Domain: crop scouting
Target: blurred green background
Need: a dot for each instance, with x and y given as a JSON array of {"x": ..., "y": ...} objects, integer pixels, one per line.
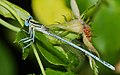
[
  {"x": 105, "y": 30},
  {"x": 7, "y": 62}
]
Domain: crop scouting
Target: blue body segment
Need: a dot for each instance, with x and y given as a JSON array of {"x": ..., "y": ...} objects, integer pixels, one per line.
[{"x": 85, "y": 51}]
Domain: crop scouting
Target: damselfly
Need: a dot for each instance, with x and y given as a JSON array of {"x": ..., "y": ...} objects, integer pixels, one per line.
[{"x": 41, "y": 28}]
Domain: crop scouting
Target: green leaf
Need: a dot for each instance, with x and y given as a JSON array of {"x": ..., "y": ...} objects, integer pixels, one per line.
[
  {"x": 19, "y": 36},
  {"x": 53, "y": 72},
  {"x": 75, "y": 57},
  {"x": 5, "y": 13},
  {"x": 19, "y": 11},
  {"x": 82, "y": 4},
  {"x": 73, "y": 60},
  {"x": 89, "y": 13},
  {"x": 85, "y": 4},
  {"x": 11, "y": 10},
  {"x": 9, "y": 26},
  {"x": 50, "y": 53}
]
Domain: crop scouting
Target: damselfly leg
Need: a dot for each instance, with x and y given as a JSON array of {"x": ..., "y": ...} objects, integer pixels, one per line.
[{"x": 29, "y": 39}]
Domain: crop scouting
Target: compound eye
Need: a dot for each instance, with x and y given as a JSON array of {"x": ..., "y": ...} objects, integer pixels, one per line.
[
  {"x": 26, "y": 23},
  {"x": 30, "y": 17}
]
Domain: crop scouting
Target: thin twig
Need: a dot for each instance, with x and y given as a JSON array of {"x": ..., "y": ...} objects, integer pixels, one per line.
[{"x": 38, "y": 59}]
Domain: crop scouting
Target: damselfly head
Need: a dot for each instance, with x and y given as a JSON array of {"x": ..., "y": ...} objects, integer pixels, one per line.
[{"x": 27, "y": 21}]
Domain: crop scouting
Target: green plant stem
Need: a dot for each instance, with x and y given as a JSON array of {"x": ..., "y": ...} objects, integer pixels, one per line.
[
  {"x": 8, "y": 7},
  {"x": 38, "y": 59},
  {"x": 9, "y": 26}
]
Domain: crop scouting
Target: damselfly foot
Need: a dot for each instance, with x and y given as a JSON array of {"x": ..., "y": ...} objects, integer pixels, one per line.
[{"x": 27, "y": 40}]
